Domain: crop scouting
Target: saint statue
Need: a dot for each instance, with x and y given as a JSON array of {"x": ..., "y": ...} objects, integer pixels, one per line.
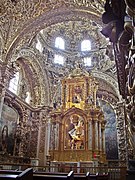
[{"x": 4, "y": 136}]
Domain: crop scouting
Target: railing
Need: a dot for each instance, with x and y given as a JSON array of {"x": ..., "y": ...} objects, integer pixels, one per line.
[{"x": 115, "y": 173}]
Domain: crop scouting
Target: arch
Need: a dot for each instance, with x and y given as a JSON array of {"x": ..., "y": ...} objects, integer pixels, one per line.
[
  {"x": 13, "y": 84},
  {"x": 110, "y": 130},
  {"x": 74, "y": 110},
  {"x": 74, "y": 120},
  {"x": 109, "y": 79},
  {"x": 50, "y": 17},
  {"x": 16, "y": 105},
  {"x": 86, "y": 45},
  {"x": 39, "y": 46},
  {"x": 60, "y": 43},
  {"x": 42, "y": 78}
]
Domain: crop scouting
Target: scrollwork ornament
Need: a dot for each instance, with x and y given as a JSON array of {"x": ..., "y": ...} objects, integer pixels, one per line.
[{"x": 131, "y": 79}]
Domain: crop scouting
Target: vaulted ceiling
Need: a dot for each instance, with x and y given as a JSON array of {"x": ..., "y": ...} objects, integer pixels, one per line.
[{"x": 24, "y": 22}]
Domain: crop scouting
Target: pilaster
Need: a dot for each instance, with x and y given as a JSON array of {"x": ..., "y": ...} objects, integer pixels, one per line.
[
  {"x": 90, "y": 136},
  {"x": 5, "y": 75}
]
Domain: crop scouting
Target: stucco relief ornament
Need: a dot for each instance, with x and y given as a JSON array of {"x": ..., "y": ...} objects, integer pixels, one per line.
[{"x": 2, "y": 9}]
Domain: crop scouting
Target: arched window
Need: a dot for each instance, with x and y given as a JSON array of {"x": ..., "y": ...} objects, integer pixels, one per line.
[
  {"x": 28, "y": 98},
  {"x": 13, "y": 84},
  {"x": 58, "y": 59},
  {"x": 86, "y": 45},
  {"x": 87, "y": 61},
  {"x": 59, "y": 43},
  {"x": 39, "y": 46}
]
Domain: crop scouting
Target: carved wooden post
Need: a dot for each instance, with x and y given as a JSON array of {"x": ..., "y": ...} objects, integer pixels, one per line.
[{"x": 121, "y": 132}]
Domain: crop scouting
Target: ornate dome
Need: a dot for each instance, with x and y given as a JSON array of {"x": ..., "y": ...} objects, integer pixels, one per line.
[{"x": 73, "y": 33}]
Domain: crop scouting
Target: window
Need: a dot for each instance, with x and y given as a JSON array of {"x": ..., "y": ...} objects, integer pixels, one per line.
[
  {"x": 58, "y": 59},
  {"x": 39, "y": 46},
  {"x": 42, "y": 31},
  {"x": 87, "y": 61},
  {"x": 28, "y": 98},
  {"x": 59, "y": 43},
  {"x": 13, "y": 85},
  {"x": 85, "y": 45}
]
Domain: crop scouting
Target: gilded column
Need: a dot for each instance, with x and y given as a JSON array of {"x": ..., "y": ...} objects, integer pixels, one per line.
[
  {"x": 100, "y": 137},
  {"x": 94, "y": 97},
  {"x": 70, "y": 92},
  {"x": 57, "y": 137},
  {"x": 96, "y": 135},
  {"x": 103, "y": 140},
  {"x": 90, "y": 136},
  {"x": 67, "y": 95},
  {"x": 95, "y": 94}
]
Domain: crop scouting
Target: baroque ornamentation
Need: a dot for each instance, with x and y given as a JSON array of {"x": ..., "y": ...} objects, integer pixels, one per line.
[
  {"x": 121, "y": 34},
  {"x": 39, "y": 74},
  {"x": 121, "y": 132},
  {"x": 111, "y": 80},
  {"x": 21, "y": 23},
  {"x": 41, "y": 22}
]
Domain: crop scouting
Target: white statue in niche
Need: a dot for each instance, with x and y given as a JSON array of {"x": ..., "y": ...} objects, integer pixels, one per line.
[
  {"x": 77, "y": 98},
  {"x": 4, "y": 138},
  {"x": 76, "y": 133}
]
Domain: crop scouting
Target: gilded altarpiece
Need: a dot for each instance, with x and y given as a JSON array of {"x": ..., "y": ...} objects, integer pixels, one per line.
[{"x": 78, "y": 125}]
